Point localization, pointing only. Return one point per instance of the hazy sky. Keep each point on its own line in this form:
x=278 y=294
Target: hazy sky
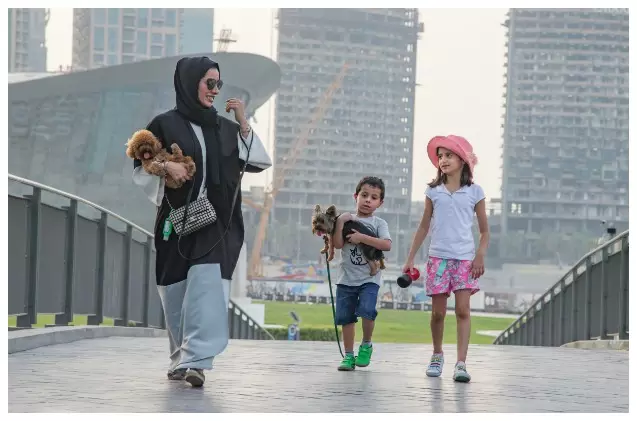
x=460 y=72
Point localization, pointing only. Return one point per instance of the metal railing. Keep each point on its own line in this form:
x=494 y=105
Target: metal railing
x=66 y=264
x=589 y=302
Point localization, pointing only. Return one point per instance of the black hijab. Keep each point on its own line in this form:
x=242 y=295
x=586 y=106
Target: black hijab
x=188 y=73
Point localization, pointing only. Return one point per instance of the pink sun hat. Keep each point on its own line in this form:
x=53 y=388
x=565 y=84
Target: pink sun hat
x=457 y=144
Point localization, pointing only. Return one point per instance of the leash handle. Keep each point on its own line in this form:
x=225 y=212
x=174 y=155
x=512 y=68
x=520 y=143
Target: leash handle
x=329 y=280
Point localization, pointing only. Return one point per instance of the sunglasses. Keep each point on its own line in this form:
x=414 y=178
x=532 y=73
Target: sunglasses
x=211 y=83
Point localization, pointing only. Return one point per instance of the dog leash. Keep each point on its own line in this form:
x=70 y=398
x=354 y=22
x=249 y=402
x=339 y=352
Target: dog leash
x=329 y=280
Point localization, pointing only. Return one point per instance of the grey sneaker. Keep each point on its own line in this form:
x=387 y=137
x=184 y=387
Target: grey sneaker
x=195 y=377
x=434 y=369
x=460 y=373
x=178 y=374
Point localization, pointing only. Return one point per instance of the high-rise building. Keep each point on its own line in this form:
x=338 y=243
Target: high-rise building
x=27 y=43
x=197 y=34
x=565 y=149
x=368 y=127
x=106 y=37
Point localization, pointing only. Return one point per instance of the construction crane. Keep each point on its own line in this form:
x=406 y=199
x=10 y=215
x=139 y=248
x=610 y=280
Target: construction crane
x=288 y=162
x=252 y=203
x=224 y=40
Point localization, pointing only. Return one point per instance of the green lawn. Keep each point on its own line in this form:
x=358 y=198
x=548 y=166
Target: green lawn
x=49 y=319
x=398 y=326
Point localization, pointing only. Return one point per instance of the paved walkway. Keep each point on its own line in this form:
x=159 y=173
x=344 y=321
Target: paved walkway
x=128 y=375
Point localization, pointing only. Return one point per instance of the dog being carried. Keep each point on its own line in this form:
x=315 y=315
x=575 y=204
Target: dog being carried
x=324 y=224
x=143 y=145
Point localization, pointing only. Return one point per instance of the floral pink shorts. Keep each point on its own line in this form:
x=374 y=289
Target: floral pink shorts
x=449 y=275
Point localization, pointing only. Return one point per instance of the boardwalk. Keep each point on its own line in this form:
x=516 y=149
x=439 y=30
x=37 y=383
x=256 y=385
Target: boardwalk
x=128 y=375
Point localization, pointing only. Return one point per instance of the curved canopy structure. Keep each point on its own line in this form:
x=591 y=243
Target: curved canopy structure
x=69 y=130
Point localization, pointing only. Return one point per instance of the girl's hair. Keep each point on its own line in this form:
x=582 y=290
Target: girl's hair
x=466 y=179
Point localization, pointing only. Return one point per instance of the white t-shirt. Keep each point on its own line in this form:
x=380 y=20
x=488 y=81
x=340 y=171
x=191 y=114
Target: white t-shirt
x=452 y=220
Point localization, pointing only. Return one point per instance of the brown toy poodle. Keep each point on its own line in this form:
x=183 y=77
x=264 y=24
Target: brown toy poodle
x=144 y=143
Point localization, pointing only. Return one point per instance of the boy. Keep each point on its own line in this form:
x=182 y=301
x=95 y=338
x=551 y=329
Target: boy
x=356 y=290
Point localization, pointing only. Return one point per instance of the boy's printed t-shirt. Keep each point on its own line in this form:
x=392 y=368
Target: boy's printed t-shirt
x=354 y=270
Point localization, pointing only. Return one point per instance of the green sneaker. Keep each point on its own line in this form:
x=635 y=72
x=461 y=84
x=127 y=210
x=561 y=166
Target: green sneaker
x=348 y=363
x=364 y=355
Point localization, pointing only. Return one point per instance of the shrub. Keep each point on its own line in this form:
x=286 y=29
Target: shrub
x=307 y=334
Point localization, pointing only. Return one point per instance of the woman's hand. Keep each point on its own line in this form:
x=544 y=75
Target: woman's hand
x=177 y=171
x=239 y=110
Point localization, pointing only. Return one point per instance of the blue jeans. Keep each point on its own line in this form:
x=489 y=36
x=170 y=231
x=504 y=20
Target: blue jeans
x=353 y=302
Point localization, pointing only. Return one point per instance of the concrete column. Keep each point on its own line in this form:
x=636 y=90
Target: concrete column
x=239 y=277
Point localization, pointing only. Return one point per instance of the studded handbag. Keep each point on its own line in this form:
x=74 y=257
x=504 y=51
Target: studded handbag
x=200 y=213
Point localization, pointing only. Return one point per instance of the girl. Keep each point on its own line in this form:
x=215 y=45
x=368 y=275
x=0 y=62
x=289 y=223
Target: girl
x=453 y=265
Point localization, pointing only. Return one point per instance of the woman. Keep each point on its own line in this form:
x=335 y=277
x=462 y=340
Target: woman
x=194 y=270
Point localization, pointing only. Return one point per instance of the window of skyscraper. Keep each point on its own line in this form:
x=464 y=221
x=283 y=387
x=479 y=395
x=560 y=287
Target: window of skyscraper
x=157 y=18
x=129 y=35
x=113 y=39
x=170 y=45
x=142 y=43
x=142 y=18
x=171 y=18
x=98 y=59
x=156 y=38
x=99 y=16
x=156 y=51
x=112 y=60
x=98 y=38
x=113 y=16
x=129 y=21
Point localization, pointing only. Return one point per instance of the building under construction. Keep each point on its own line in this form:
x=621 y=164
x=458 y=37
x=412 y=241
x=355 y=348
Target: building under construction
x=367 y=128
x=565 y=153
